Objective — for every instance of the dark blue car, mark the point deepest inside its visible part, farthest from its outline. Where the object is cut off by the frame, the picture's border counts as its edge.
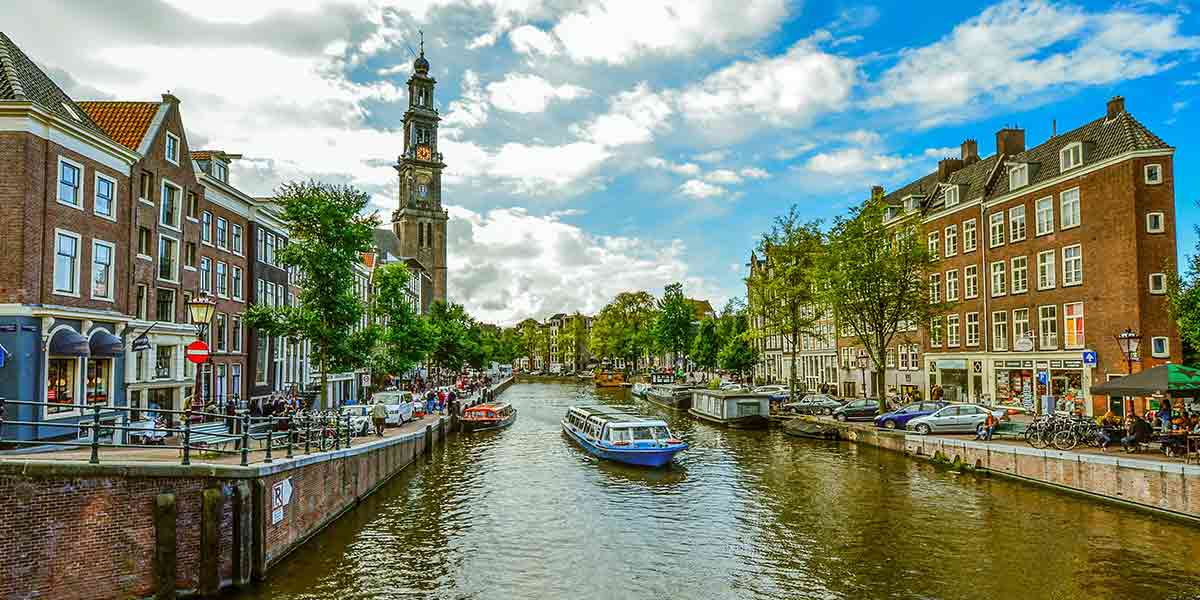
(900, 417)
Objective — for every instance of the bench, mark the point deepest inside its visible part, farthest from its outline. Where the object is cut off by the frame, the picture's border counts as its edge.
(215, 434)
(1010, 429)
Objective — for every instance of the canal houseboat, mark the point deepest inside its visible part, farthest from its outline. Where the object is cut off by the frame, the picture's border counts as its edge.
(741, 410)
(640, 389)
(483, 417)
(609, 379)
(674, 396)
(611, 433)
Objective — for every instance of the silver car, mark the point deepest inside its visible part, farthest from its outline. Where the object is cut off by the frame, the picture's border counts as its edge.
(956, 418)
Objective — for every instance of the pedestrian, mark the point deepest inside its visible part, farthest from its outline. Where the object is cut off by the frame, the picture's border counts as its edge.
(451, 398)
(379, 416)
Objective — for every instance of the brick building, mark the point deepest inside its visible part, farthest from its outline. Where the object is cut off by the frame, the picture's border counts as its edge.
(271, 288)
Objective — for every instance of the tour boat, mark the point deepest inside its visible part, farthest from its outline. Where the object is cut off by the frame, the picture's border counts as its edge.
(482, 417)
(740, 410)
(613, 434)
(609, 379)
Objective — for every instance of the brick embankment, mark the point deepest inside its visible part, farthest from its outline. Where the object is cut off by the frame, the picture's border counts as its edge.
(1145, 481)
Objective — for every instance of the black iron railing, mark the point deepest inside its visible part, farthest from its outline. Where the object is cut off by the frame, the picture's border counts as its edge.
(187, 430)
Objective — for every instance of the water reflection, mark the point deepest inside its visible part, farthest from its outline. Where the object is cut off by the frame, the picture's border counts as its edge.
(525, 513)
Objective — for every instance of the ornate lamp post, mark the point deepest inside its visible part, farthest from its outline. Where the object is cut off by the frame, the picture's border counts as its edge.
(201, 309)
(862, 368)
(1129, 341)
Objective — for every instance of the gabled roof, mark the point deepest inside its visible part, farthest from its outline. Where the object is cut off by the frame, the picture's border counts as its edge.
(701, 308)
(22, 80)
(387, 242)
(210, 154)
(124, 121)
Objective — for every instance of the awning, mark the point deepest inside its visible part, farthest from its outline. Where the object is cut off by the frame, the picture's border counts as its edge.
(104, 343)
(68, 342)
(1169, 379)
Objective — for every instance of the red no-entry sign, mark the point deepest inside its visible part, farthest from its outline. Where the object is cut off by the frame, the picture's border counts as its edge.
(197, 352)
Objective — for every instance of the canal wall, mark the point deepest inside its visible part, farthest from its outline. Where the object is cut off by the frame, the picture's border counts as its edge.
(1168, 488)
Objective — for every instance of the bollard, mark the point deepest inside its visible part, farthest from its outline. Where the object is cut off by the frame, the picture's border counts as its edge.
(429, 439)
(187, 436)
(291, 432)
(307, 432)
(246, 439)
(270, 437)
(95, 459)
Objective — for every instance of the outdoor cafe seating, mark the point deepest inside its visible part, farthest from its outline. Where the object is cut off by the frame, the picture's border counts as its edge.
(1177, 384)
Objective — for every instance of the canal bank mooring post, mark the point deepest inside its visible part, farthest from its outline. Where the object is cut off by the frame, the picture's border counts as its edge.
(428, 440)
(164, 547)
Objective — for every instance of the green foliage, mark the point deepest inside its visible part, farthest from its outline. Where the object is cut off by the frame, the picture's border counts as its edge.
(403, 339)
(624, 328)
(327, 235)
(1183, 301)
(673, 321)
(452, 345)
(707, 345)
(739, 355)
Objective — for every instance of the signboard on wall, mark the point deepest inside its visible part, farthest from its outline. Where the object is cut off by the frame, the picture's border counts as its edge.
(1023, 344)
(281, 496)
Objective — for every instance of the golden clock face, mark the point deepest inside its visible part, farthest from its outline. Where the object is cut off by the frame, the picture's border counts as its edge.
(423, 152)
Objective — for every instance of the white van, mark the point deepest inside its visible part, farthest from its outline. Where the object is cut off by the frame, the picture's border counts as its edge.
(399, 405)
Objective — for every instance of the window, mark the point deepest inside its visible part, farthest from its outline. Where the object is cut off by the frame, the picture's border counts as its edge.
(1046, 270)
(193, 206)
(1072, 265)
(163, 362)
(164, 305)
(236, 335)
(205, 274)
(235, 381)
(969, 235)
(270, 300)
(971, 281)
(891, 357)
(104, 202)
(1160, 347)
(1000, 330)
(1071, 156)
(144, 242)
(1020, 324)
(951, 240)
(66, 263)
(1158, 283)
(269, 257)
(98, 381)
(1020, 274)
(935, 332)
(261, 295)
(189, 255)
(998, 278)
(141, 301)
(222, 280)
(220, 171)
(935, 288)
(951, 196)
(1070, 208)
(168, 258)
(1073, 325)
(102, 270)
(222, 230)
(261, 344)
(169, 208)
(262, 243)
(972, 329)
(220, 335)
(61, 384)
(952, 331)
(70, 183)
(1045, 216)
(235, 239)
(236, 283)
(1018, 176)
(1016, 223)
(146, 187)
(1153, 174)
(1048, 326)
(172, 146)
(952, 285)
(996, 229)
(206, 228)
(933, 244)
(1155, 222)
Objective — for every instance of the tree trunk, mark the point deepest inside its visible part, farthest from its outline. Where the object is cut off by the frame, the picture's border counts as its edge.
(324, 384)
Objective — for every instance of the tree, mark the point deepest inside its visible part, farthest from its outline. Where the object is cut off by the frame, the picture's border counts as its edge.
(739, 353)
(327, 235)
(403, 339)
(1183, 301)
(530, 331)
(673, 321)
(451, 343)
(876, 280)
(786, 290)
(707, 345)
(623, 329)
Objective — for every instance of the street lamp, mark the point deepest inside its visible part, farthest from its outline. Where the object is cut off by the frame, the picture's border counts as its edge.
(862, 367)
(201, 308)
(1129, 341)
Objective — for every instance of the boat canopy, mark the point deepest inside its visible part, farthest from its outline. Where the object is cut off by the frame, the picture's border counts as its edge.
(614, 417)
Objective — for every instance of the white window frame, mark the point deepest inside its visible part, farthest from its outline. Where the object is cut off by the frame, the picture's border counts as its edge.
(967, 329)
(240, 280)
(1062, 211)
(1066, 281)
(179, 208)
(96, 195)
(1162, 222)
(236, 334)
(217, 233)
(933, 241)
(167, 148)
(158, 259)
(206, 224)
(205, 276)
(935, 288)
(949, 296)
(1028, 330)
(952, 331)
(78, 263)
(936, 327)
(1162, 287)
(1000, 326)
(951, 196)
(970, 291)
(1002, 289)
(970, 225)
(112, 268)
(1012, 224)
(1012, 274)
(951, 244)
(1081, 343)
(1166, 351)
(241, 238)
(220, 273)
(1042, 345)
(58, 182)
(994, 226)
(1051, 270)
(1018, 176)
(1065, 156)
(1048, 201)
(1146, 172)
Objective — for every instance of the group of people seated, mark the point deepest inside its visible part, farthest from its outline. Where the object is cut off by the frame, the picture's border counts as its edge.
(1137, 431)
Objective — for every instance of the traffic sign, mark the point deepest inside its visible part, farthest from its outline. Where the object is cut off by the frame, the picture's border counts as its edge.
(197, 352)
(1043, 377)
(1089, 357)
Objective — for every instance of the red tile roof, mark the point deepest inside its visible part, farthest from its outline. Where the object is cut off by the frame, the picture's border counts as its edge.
(125, 122)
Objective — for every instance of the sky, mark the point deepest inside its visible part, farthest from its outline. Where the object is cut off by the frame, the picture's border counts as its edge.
(594, 147)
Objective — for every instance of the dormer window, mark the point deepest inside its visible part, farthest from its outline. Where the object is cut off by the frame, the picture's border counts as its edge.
(220, 171)
(1071, 156)
(951, 196)
(910, 204)
(1018, 176)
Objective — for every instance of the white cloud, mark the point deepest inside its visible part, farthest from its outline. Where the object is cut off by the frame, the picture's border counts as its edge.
(525, 93)
(528, 39)
(852, 161)
(532, 169)
(754, 173)
(469, 111)
(712, 156)
(689, 169)
(724, 176)
(634, 117)
(700, 190)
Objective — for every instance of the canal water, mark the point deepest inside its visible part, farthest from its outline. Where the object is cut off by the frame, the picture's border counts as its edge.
(523, 513)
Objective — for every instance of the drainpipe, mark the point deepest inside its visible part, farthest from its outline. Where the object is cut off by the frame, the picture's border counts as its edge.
(986, 335)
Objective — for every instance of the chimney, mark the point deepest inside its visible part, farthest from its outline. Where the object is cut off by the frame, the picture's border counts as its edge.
(1010, 141)
(1116, 106)
(947, 166)
(169, 97)
(876, 192)
(970, 152)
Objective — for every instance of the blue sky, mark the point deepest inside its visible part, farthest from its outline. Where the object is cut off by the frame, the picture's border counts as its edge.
(595, 147)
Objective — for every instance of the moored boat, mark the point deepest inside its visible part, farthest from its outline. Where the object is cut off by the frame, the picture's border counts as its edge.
(483, 417)
(640, 389)
(810, 429)
(671, 396)
(609, 379)
(611, 433)
(740, 410)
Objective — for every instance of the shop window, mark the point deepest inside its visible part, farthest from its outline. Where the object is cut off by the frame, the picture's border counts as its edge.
(99, 381)
(61, 374)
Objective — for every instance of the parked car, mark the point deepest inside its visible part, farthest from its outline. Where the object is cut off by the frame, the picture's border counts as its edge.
(899, 418)
(862, 409)
(360, 418)
(955, 418)
(771, 390)
(813, 404)
(399, 405)
(729, 386)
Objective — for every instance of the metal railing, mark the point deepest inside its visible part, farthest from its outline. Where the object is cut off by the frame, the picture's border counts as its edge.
(315, 431)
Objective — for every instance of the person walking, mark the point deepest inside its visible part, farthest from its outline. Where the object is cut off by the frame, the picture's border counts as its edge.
(379, 417)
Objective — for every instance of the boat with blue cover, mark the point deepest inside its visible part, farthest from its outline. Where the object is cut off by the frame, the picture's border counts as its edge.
(612, 433)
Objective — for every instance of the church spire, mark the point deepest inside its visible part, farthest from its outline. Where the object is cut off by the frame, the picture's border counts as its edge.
(421, 66)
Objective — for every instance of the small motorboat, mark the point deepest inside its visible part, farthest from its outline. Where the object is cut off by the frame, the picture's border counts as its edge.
(609, 379)
(612, 434)
(810, 429)
(484, 417)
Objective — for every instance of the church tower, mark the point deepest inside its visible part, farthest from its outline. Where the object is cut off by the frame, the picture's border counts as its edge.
(420, 222)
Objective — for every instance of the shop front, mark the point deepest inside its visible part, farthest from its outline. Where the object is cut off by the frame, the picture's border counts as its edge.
(1042, 385)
